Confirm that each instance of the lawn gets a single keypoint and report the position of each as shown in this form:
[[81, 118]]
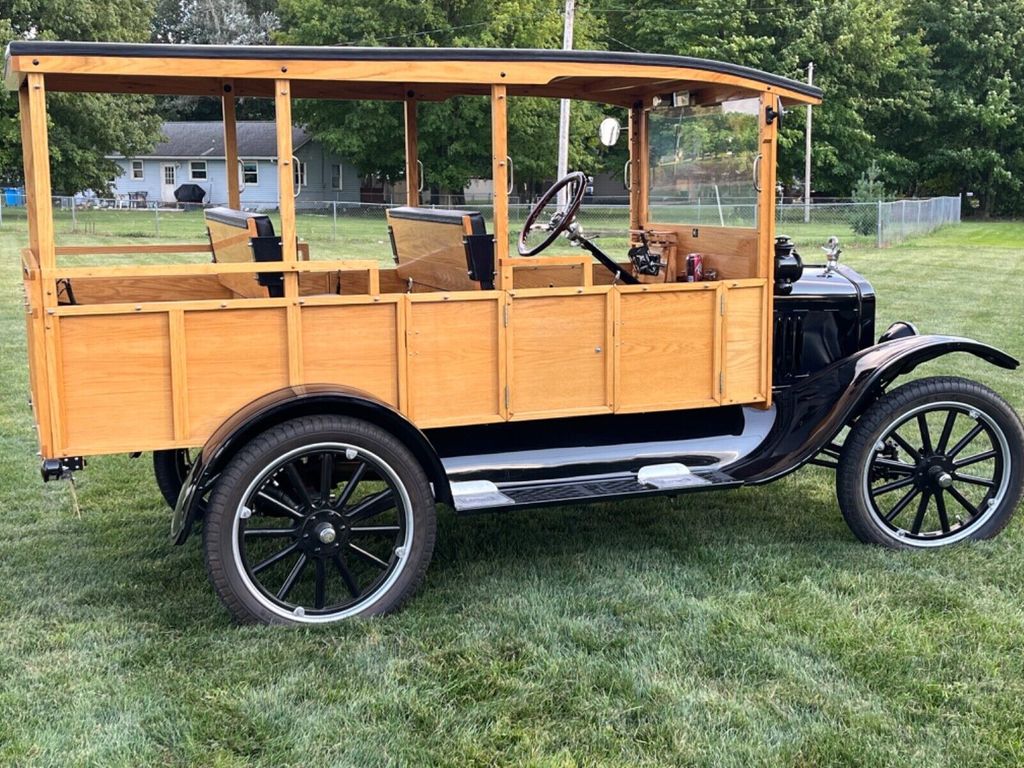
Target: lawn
[[741, 628]]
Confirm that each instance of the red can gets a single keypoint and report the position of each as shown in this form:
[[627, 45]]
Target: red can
[[694, 268]]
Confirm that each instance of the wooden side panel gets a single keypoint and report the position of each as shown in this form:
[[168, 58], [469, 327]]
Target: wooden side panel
[[117, 382], [105, 290], [232, 357], [731, 251], [743, 354], [455, 362], [353, 344], [559, 355], [666, 350]]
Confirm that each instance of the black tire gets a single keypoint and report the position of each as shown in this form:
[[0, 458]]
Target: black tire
[[316, 520], [932, 463], [171, 468]]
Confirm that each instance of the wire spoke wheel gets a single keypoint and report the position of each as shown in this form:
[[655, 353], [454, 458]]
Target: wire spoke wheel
[[322, 530], [313, 527], [932, 463], [915, 481]]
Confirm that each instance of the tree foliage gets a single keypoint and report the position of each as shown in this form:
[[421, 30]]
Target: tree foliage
[[84, 128], [454, 134]]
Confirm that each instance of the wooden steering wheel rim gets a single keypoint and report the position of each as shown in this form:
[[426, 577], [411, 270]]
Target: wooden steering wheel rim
[[571, 209]]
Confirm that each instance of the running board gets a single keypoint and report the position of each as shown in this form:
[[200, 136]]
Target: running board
[[476, 495]]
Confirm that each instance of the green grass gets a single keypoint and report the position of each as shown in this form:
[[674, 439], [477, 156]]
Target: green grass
[[744, 628]]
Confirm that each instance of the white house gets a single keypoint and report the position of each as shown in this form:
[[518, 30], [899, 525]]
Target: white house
[[193, 153]]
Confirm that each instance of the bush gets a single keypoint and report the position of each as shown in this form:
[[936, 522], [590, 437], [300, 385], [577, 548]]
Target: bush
[[868, 189]]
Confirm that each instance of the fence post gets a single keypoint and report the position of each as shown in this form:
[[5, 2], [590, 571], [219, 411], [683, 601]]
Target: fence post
[[878, 227], [74, 216], [334, 220], [156, 208]]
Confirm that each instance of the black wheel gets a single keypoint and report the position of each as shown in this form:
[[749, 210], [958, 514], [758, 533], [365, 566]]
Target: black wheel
[[171, 468], [316, 520], [931, 463]]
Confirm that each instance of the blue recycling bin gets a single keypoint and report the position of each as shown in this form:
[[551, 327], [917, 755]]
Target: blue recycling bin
[[14, 196]]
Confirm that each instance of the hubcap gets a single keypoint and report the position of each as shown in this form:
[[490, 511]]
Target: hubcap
[[937, 473], [323, 532], [326, 533]]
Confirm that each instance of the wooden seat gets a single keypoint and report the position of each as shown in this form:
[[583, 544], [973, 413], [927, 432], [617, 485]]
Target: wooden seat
[[442, 250], [242, 236]]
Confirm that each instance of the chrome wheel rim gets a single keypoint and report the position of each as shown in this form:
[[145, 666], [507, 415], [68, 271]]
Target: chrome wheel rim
[[322, 533], [936, 474]]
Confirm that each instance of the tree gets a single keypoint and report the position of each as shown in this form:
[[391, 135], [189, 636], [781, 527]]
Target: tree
[[454, 134], [974, 139], [84, 128]]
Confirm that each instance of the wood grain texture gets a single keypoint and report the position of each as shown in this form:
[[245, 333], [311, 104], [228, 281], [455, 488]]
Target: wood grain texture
[[666, 349], [233, 357], [454, 360], [117, 382], [743, 350], [355, 345], [104, 290], [558, 350], [412, 168], [731, 251], [432, 254], [231, 168], [499, 170]]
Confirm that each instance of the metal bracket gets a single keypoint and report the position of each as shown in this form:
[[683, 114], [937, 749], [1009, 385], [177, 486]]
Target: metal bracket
[[61, 469]]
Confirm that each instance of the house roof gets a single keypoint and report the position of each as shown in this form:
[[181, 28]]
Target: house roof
[[205, 140]]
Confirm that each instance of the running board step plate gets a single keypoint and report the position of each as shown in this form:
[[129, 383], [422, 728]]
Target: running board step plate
[[483, 494]]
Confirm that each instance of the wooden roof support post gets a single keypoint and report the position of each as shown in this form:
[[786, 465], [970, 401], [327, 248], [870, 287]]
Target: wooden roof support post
[[285, 167], [412, 168], [766, 183], [499, 170], [40, 204], [26, 149], [231, 166], [639, 167]]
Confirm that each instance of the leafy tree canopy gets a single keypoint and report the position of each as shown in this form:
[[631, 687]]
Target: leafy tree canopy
[[84, 128]]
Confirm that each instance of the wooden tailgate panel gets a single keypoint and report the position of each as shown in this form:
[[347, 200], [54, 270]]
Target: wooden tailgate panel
[[455, 358], [559, 355], [116, 382], [666, 350]]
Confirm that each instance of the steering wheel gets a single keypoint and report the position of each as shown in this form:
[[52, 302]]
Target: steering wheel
[[560, 219]]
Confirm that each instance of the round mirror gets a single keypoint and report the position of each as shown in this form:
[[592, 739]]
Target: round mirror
[[609, 131]]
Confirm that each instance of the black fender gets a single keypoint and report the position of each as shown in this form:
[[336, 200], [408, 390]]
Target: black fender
[[810, 414], [289, 403]]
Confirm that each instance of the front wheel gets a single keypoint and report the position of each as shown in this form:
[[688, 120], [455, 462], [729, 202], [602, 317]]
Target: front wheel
[[316, 520], [931, 463]]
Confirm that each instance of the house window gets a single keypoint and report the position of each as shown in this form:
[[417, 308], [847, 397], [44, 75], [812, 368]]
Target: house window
[[250, 173], [336, 176], [197, 170], [138, 170], [169, 175], [300, 174]]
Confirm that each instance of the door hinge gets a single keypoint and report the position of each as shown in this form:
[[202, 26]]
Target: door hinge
[[721, 303], [721, 382], [506, 314], [508, 397]]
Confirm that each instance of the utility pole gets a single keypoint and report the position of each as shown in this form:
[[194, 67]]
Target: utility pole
[[807, 152], [563, 118]]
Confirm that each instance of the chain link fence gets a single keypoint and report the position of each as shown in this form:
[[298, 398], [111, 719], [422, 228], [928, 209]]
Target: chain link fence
[[357, 230]]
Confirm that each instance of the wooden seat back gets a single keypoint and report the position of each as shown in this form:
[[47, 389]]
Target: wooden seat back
[[430, 247], [243, 236]]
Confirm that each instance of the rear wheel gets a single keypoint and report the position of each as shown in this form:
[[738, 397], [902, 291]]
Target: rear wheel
[[171, 467], [931, 463], [316, 520]]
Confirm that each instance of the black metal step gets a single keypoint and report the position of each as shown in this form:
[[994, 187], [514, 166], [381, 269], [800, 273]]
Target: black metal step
[[580, 490]]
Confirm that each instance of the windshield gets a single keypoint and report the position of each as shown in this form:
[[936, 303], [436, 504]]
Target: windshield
[[702, 164]]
